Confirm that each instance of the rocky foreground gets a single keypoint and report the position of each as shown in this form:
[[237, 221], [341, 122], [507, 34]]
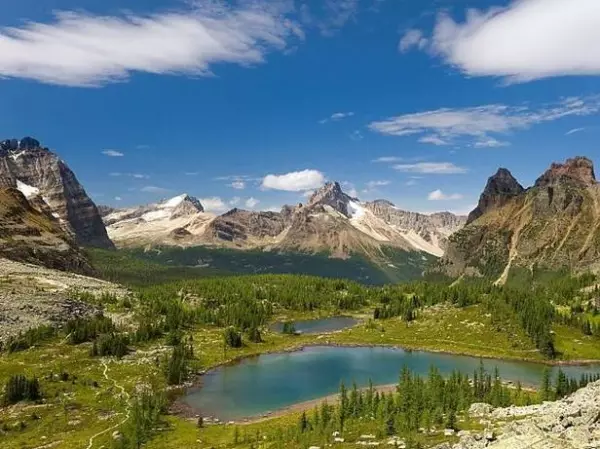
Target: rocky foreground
[[571, 423], [31, 296]]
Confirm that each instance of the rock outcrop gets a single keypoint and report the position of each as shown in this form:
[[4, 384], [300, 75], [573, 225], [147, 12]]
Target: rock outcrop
[[571, 423], [499, 189], [50, 185]]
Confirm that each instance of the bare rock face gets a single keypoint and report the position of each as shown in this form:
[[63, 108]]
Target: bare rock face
[[28, 235], [43, 177], [499, 189], [578, 171], [242, 225], [331, 194], [434, 228]]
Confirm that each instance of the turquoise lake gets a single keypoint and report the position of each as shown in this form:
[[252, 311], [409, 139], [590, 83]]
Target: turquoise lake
[[266, 383], [319, 326]]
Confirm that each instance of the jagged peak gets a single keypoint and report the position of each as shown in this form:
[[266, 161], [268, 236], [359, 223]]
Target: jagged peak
[[578, 170], [331, 194], [499, 188], [382, 202], [26, 143]]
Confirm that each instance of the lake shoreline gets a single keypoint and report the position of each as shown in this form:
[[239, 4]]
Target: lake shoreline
[[182, 409]]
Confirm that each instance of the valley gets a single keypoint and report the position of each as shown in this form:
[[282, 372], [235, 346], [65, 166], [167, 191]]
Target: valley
[[234, 331]]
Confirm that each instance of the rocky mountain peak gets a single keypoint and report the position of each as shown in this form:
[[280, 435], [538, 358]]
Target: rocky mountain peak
[[500, 187], [383, 203], [185, 205], [52, 188], [331, 194], [578, 170]]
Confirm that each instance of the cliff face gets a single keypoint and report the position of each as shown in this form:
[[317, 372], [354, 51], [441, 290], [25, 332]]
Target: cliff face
[[50, 185], [29, 235], [555, 224], [499, 189], [434, 229]]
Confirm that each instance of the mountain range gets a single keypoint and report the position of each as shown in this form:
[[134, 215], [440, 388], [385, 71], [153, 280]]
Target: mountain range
[[330, 222], [46, 217]]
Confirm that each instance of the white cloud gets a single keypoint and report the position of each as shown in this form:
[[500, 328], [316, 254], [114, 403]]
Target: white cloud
[[573, 131], [82, 49], [191, 173], [352, 192], [527, 40], [438, 195], [432, 168], [132, 175], [434, 140], [238, 184], [373, 184], [234, 201], [295, 181], [252, 202], [412, 38], [479, 122], [388, 159], [118, 198], [110, 153], [411, 182], [337, 13], [335, 117], [154, 189], [308, 193], [490, 142], [213, 204], [273, 209]]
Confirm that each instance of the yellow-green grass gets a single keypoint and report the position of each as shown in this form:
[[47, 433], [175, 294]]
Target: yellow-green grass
[[73, 410], [572, 344]]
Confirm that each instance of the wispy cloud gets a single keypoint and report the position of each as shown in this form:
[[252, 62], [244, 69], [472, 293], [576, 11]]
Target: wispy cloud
[[297, 181], [411, 39], [479, 123], [431, 168], [434, 140], [131, 175], [82, 49], [356, 135], [438, 195], [388, 159], [112, 153], [238, 184], [373, 184], [154, 189], [335, 117], [573, 131], [118, 198], [527, 40]]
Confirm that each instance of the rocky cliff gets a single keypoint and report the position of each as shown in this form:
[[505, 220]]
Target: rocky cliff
[[434, 229], [50, 185], [555, 224], [28, 235], [571, 423]]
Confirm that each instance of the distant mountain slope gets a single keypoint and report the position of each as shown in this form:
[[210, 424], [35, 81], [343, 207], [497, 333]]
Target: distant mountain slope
[[331, 223], [50, 186], [554, 224], [29, 235]]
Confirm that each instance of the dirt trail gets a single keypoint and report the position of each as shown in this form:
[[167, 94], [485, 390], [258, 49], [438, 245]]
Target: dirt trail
[[127, 414]]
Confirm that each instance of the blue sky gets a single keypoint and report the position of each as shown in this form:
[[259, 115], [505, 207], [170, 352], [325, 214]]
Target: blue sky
[[253, 103]]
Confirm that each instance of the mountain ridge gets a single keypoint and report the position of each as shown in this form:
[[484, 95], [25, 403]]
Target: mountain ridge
[[331, 221]]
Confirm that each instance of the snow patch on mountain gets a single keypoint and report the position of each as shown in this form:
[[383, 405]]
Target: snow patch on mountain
[[27, 190]]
